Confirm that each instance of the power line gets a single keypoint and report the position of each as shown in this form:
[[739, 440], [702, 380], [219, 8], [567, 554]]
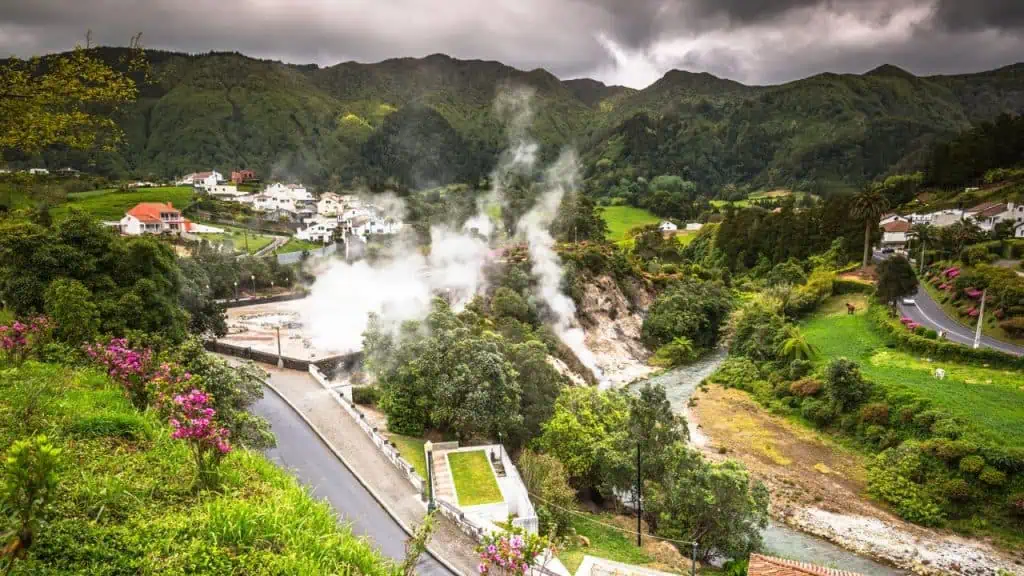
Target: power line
[[588, 518]]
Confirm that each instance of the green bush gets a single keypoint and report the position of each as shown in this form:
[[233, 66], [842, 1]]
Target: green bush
[[806, 387], [947, 428], [992, 477], [737, 372], [817, 411], [1015, 504], [972, 464], [907, 498], [956, 489], [844, 385], [875, 413], [799, 368], [365, 395]]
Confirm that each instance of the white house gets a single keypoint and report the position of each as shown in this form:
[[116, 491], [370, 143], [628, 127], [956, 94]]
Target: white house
[[382, 226], [224, 190], [945, 218], [667, 226], [892, 217], [271, 202], [894, 234], [296, 192], [38, 171], [989, 214], [1019, 230], [329, 204], [319, 229], [693, 226], [152, 218]]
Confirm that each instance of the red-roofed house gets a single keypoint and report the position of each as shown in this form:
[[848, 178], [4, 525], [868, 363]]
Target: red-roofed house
[[989, 214], [894, 234], [242, 176], [771, 566], [152, 218]]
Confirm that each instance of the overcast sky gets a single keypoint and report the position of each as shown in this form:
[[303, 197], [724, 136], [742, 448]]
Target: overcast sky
[[631, 42]]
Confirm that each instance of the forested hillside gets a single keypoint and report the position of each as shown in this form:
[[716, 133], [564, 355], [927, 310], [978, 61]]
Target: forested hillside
[[421, 122]]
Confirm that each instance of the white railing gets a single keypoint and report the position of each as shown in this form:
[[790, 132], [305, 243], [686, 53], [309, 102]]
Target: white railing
[[382, 443]]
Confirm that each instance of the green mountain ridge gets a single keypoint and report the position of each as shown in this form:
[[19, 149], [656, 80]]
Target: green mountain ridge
[[337, 125]]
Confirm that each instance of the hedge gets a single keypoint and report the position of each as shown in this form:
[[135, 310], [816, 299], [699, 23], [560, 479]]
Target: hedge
[[897, 334], [841, 286]]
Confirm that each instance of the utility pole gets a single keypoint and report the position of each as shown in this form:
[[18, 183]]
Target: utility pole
[[981, 319], [639, 498], [693, 568], [280, 360], [921, 270]]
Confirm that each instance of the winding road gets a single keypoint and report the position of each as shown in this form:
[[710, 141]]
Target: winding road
[[303, 453], [926, 311]]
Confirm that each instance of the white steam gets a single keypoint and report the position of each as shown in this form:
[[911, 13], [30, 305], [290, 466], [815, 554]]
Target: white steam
[[535, 225]]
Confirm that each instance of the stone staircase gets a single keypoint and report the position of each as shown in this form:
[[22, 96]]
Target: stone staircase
[[444, 485]]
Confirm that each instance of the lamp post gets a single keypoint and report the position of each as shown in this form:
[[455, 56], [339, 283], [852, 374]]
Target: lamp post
[[236, 290], [253, 278], [693, 565], [429, 447], [639, 496]]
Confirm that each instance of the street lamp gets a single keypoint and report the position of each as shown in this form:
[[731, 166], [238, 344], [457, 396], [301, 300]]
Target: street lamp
[[236, 289], [429, 447], [253, 278]]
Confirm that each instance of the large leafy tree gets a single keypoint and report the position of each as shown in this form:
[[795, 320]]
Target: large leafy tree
[[869, 205], [692, 309], [896, 279], [68, 99], [925, 234]]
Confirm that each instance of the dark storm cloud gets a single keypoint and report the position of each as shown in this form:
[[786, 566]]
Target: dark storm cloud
[[629, 41]]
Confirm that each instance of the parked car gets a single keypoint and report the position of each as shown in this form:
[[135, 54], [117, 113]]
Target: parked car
[[909, 302]]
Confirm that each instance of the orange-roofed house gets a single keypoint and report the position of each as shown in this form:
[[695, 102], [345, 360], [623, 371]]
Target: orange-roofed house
[[771, 566], [152, 218]]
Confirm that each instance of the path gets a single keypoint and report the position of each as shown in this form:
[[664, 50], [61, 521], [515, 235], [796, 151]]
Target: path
[[274, 245], [927, 311], [305, 455], [387, 482]]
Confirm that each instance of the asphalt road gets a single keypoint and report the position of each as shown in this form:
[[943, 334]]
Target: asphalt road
[[301, 451], [927, 312]]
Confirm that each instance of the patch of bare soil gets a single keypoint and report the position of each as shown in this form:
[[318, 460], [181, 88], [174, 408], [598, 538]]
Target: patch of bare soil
[[612, 326], [817, 486]]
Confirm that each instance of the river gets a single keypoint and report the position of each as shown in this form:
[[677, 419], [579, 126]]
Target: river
[[779, 540]]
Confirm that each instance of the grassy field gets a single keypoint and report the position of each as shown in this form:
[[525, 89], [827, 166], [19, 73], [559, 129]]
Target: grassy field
[[412, 450], [622, 219], [991, 327], [990, 400], [237, 236], [125, 501], [112, 204], [605, 542], [474, 480], [296, 245]]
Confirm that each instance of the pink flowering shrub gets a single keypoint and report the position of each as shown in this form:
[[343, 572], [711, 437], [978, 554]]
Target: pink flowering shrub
[[20, 341], [128, 367], [511, 552], [195, 422]]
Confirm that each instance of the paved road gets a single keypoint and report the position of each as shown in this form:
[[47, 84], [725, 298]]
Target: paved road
[[927, 311], [300, 450]]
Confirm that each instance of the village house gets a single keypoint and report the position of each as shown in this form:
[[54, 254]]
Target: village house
[[319, 229], [38, 171], [1018, 232], [771, 566], [224, 190], [201, 179], [989, 214], [892, 217], [329, 204], [667, 226], [296, 192], [895, 234], [242, 176], [152, 218], [694, 226]]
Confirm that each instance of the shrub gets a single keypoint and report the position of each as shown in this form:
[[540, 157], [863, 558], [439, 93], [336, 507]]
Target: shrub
[[844, 385], [925, 420], [949, 451], [992, 477], [1015, 504], [947, 428], [821, 413], [909, 500], [365, 395], [799, 368], [956, 489], [875, 413], [874, 433], [972, 464], [806, 387], [194, 423], [1014, 326], [737, 372]]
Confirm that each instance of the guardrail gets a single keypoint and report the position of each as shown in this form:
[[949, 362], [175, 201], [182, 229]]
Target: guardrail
[[382, 443], [295, 257]]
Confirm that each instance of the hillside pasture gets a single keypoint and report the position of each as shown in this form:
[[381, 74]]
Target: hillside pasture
[[622, 219], [111, 204]]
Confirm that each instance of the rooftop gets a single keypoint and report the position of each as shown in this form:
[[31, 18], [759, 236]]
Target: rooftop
[[897, 226], [771, 566], [150, 211]]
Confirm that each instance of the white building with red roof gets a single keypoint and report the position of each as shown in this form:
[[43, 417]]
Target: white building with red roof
[[153, 218]]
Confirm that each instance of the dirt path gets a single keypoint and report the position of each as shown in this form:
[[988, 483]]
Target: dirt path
[[818, 486]]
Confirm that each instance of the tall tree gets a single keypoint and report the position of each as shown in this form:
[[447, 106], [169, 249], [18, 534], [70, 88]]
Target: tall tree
[[896, 279], [870, 204], [925, 233]]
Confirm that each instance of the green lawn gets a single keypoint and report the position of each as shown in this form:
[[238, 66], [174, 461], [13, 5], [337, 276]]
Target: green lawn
[[622, 219], [296, 245], [412, 450], [112, 204], [237, 236], [474, 480], [990, 400], [605, 542]]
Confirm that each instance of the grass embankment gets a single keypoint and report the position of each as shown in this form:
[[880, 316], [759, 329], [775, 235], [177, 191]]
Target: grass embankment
[[991, 401], [991, 327], [296, 245], [412, 450], [126, 504], [622, 219], [240, 238], [474, 480], [605, 542], [111, 204]]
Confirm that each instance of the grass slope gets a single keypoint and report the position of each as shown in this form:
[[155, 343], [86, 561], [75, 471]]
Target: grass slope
[[125, 502], [605, 542], [412, 450], [474, 480], [991, 401], [112, 204], [622, 219], [237, 236], [296, 245]]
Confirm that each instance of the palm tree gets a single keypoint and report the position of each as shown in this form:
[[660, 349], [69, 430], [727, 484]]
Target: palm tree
[[924, 234], [796, 346], [870, 204]]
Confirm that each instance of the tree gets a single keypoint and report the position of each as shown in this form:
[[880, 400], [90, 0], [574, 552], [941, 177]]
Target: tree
[[715, 505], [70, 305], [29, 483], [896, 279], [796, 346], [67, 100], [924, 233], [869, 205], [547, 481], [652, 426], [692, 309], [678, 352], [844, 385]]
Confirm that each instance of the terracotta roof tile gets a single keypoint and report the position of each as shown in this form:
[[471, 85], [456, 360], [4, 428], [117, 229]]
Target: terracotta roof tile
[[771, 566], [897, 226], [150, 211]]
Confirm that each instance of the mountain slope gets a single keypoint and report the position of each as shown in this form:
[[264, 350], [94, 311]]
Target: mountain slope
[[337, 125]]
